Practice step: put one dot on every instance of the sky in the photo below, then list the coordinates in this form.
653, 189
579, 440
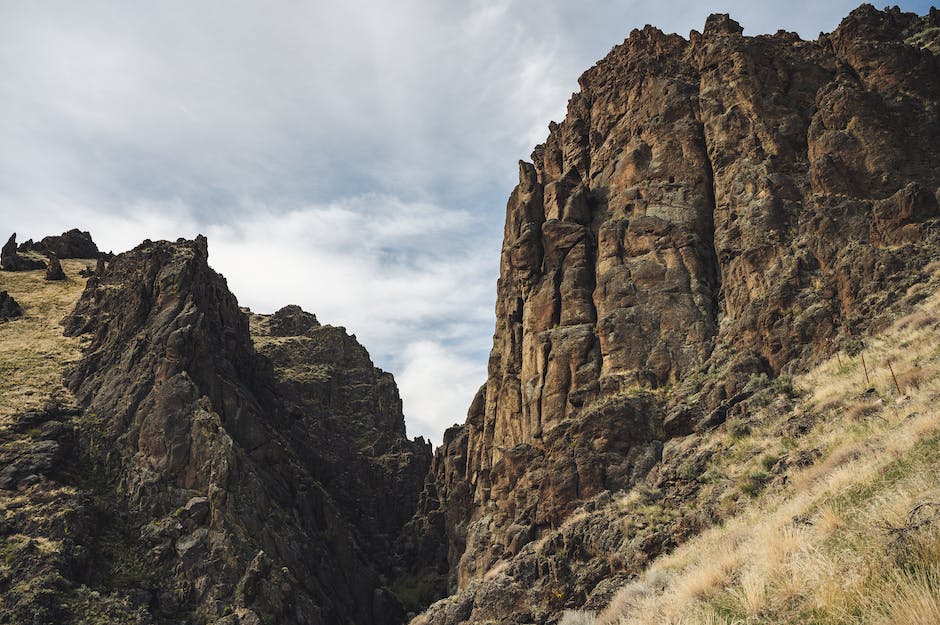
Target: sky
353, 158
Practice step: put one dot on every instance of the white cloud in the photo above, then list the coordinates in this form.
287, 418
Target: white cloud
437, 385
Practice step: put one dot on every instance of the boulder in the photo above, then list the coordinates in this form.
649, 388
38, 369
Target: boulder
54, 270
9, 308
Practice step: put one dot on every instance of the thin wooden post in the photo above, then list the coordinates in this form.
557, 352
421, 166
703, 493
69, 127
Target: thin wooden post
895, 378
865, 367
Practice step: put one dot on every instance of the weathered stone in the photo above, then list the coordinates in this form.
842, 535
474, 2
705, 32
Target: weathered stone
54, 269
71, 244
9, 308
711, 209
229, 439
11, 261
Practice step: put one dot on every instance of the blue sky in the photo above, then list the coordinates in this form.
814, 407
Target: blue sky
352, 159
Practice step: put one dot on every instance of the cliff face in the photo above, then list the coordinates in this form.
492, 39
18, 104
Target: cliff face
709, 211
258, 483
713, 216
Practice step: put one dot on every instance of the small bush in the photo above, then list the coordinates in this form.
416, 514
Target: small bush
768, 461
753, 483
738, 428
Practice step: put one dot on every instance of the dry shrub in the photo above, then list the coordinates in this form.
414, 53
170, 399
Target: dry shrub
710, 577
916, 542
863, 409
624, 603
829, 520
751, 593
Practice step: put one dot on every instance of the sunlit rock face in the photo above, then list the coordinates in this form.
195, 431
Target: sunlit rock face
261, 459
709, 209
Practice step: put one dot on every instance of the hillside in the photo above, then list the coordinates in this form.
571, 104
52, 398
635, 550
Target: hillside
712, 396
840, 522
179, 475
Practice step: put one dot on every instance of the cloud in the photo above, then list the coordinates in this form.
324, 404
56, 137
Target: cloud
354, 157
437, 385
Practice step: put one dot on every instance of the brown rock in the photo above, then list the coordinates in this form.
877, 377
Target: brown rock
899, 218
71, 244
54, 270
8, 306
709, 210
11, 261
263, 461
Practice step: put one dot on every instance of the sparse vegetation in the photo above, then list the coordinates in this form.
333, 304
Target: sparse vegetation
850, 537
35, 353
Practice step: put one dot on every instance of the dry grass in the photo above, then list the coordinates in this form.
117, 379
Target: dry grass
841, 541
34, 352
575, 617
913, 599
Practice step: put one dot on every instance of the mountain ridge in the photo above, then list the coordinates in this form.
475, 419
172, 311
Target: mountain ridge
714, 220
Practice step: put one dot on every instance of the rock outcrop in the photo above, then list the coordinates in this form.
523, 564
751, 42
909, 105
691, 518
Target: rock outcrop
713, 210
9, 308
11, 261
71, 244
714, 215
254, 487
54, 269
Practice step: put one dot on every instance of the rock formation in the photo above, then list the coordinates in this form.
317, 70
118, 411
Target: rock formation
54, 269
258, 486
713, 215
11, 261
71, 244
712, 210
8, 306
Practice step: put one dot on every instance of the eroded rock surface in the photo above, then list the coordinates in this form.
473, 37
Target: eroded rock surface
9, 308
11, 261
71, 244
257, 487
54, 269
711, 210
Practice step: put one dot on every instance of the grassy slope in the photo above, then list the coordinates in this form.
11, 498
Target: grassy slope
840, 522
35, 353
44, 519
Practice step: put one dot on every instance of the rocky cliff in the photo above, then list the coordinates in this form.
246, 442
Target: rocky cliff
712, 212
216, 466
714, 217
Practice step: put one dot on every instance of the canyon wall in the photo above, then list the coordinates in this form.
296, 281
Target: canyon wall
711, 210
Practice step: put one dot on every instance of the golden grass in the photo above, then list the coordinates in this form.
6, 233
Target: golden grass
841, 541
913, 599
33, 351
